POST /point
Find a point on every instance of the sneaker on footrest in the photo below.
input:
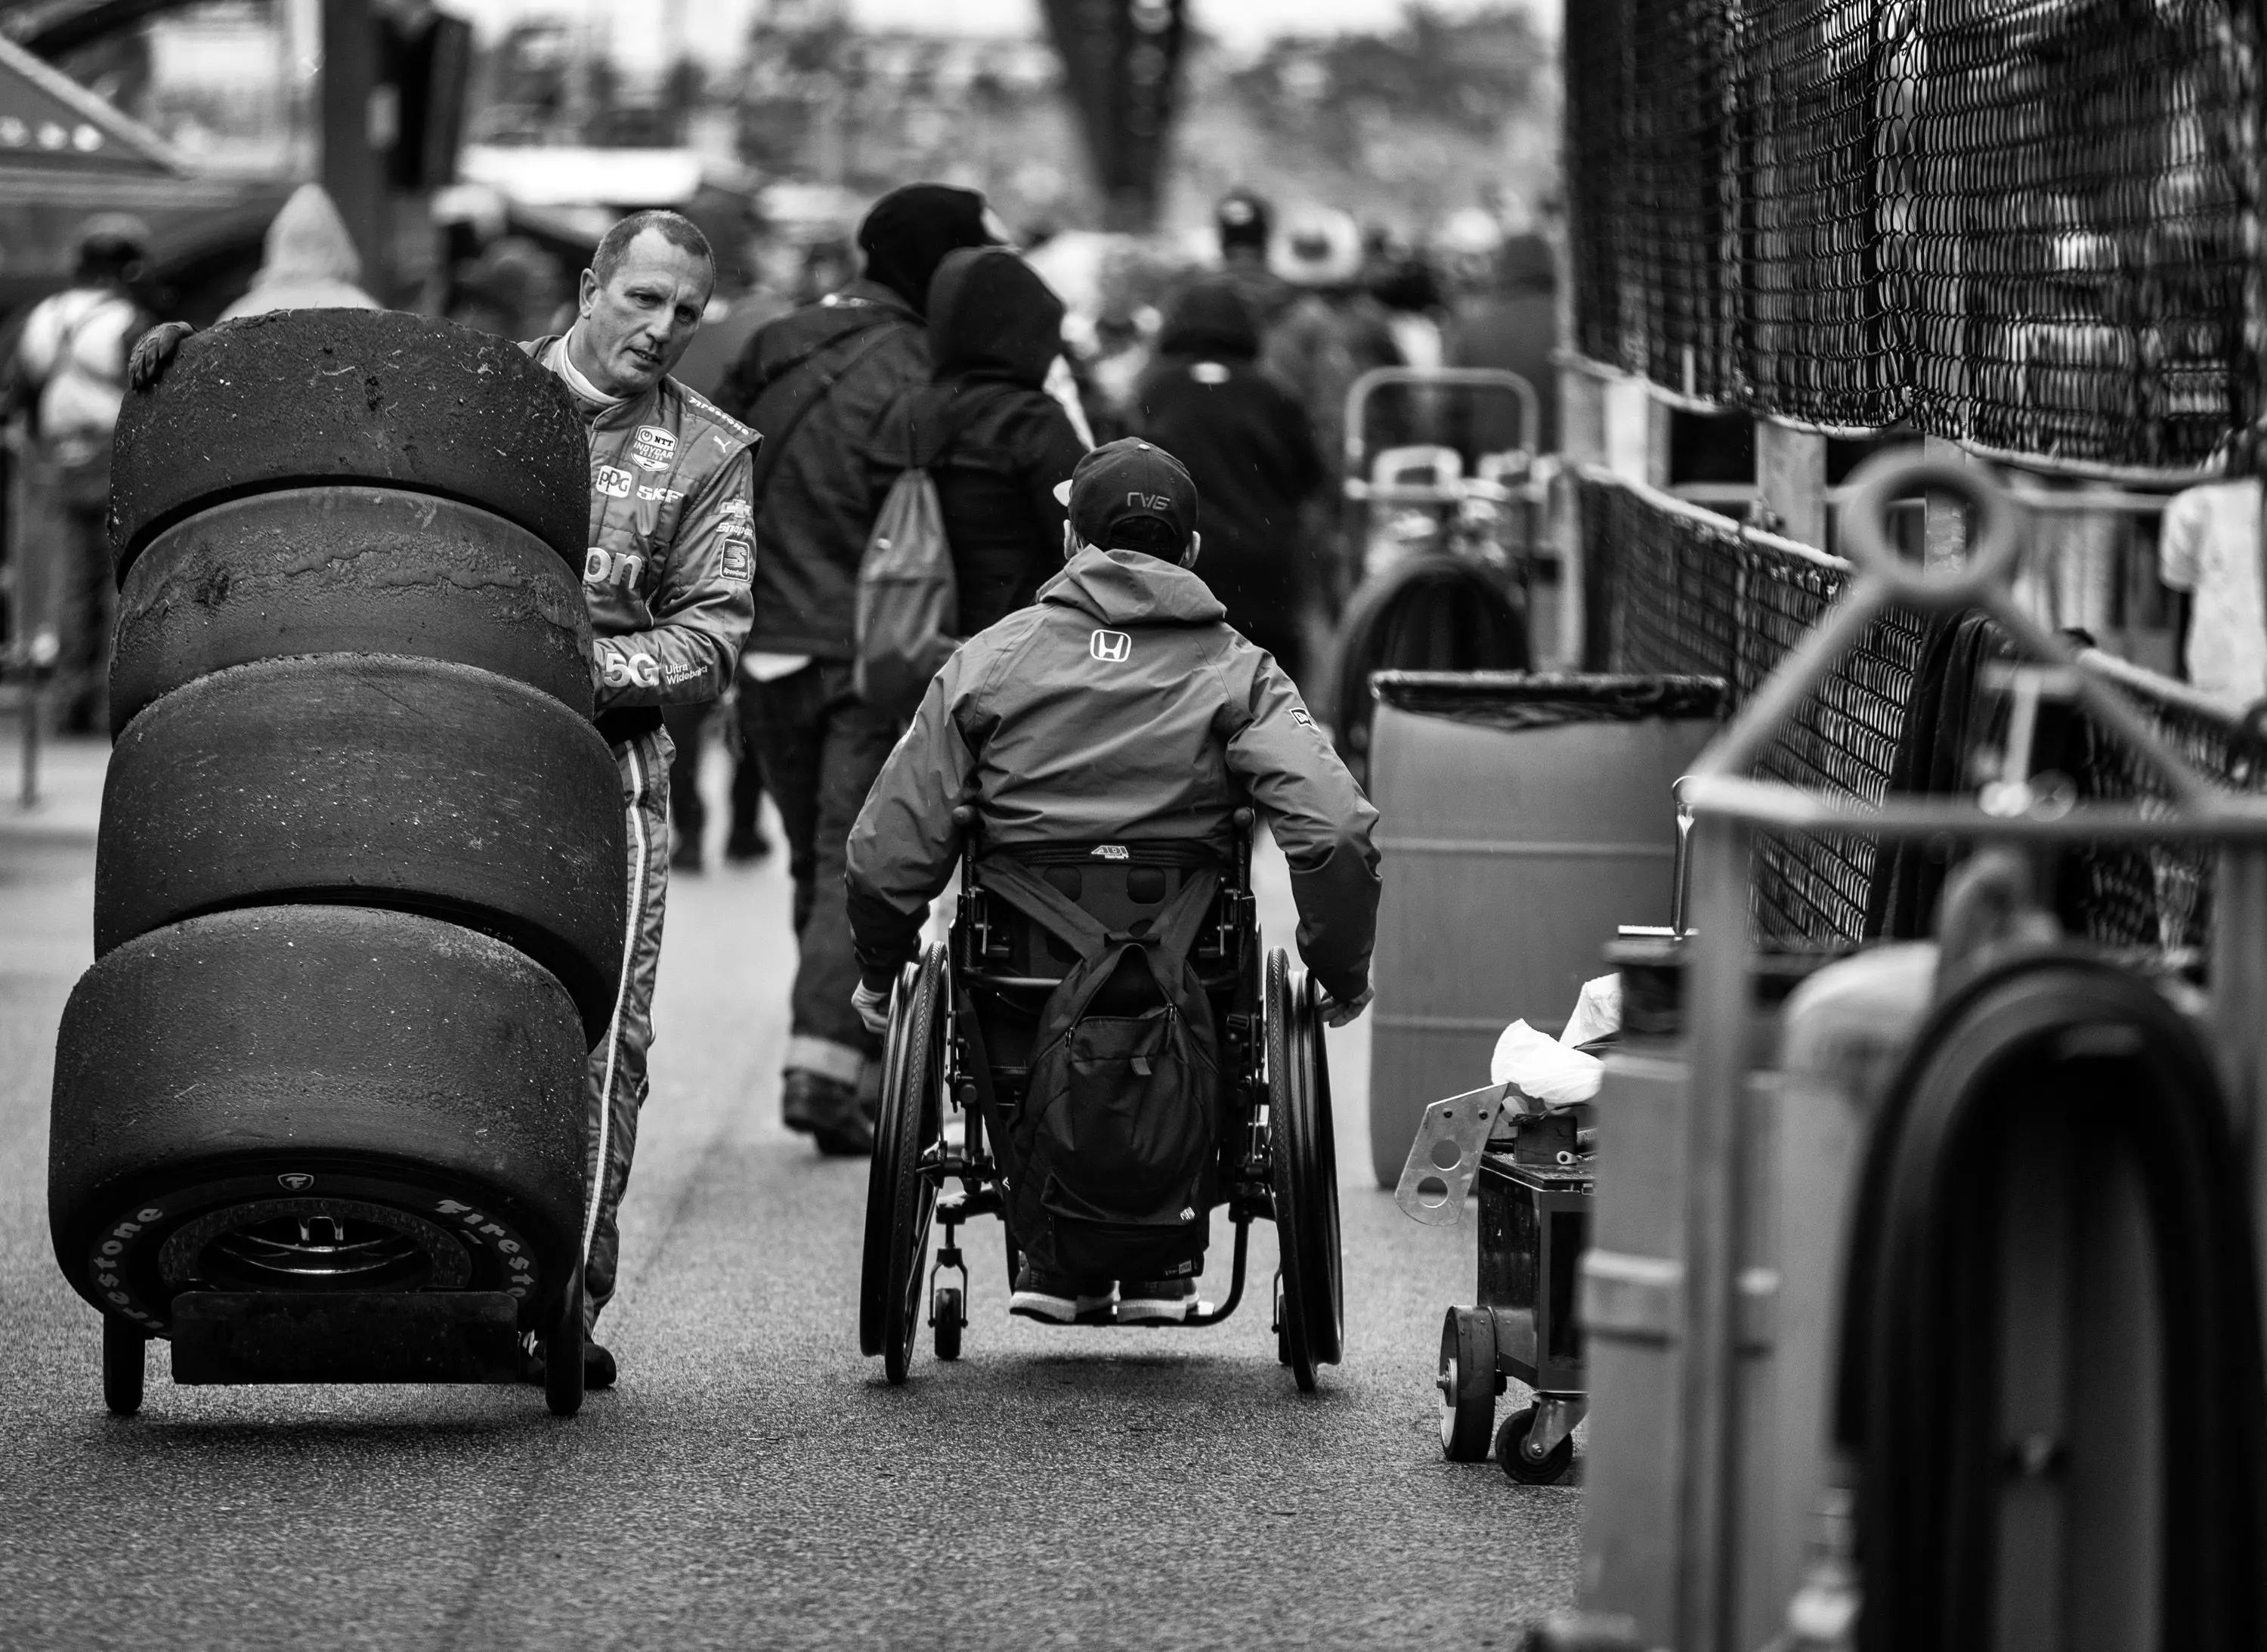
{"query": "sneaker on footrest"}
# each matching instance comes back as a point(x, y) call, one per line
point(1155, 1302)
point(1052, 1299)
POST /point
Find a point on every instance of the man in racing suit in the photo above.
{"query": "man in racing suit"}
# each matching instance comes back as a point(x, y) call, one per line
point(1120, 706)
point(671, 553)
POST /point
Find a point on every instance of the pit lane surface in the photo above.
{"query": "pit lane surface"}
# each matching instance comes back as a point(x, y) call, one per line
point(753, 1482)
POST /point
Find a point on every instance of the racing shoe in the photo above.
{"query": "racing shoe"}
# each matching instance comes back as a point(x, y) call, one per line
point(1055, 1299)
point(1155, 1302)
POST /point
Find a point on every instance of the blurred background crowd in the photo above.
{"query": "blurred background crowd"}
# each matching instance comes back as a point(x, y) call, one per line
point(1374, 178)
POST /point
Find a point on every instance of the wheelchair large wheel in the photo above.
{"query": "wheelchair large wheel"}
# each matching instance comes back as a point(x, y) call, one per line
point(900, 1200)
point(1302, 1173)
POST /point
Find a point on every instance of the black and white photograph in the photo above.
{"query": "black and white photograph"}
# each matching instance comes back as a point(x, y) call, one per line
point(955, 825)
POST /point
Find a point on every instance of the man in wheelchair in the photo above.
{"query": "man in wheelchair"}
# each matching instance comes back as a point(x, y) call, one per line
point(1098, 746)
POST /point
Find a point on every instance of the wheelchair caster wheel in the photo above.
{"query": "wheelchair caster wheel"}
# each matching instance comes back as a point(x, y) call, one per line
point(946, 1314)
point(1510, 1450)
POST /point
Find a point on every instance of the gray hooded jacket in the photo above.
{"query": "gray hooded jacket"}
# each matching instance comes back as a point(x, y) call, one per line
point(1120, 707)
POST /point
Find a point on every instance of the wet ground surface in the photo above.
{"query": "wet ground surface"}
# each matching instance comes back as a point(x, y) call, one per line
point(752, 1481)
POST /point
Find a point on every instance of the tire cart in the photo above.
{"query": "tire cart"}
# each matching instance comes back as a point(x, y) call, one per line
point(1440, 524)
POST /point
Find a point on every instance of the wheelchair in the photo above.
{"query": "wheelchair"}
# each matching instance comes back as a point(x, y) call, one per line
point(957, 1055)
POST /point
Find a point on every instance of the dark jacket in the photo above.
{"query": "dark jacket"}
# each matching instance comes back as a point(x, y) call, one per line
point(1248, 447)
point(813, 510)
point(994, 442)
point(1120, 707)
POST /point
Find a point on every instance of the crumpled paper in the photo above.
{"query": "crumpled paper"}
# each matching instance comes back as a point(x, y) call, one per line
point(1551, 1071)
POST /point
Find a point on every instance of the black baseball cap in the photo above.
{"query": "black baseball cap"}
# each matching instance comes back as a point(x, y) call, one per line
point(1132, 495)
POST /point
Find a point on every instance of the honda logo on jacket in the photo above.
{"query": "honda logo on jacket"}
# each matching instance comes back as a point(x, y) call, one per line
point(1114, 646)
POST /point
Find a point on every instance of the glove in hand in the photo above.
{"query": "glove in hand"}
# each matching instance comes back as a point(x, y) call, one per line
point(873, 1008)
point(1336, 1014)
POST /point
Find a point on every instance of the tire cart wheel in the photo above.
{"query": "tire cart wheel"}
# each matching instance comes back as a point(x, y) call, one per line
point(1512, 1437)
point(951, 1315)
point(125, 1360)
point(562, 1352)
point(900, 1200)
point(1468, 1384)
point(1303, 1174)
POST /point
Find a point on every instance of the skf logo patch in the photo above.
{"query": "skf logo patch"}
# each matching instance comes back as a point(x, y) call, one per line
point(653, 448)
point(1111, 851)
point(739, 561)
point(660, 496)
point(1114, 647)
point(615, 484)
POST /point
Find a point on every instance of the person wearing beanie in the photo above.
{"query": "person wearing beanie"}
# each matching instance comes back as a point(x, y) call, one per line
point(812, 382)
point(1251, 449)
point(1119, 709)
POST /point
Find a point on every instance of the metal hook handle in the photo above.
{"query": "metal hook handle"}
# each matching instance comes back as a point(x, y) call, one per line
point(1865, 521)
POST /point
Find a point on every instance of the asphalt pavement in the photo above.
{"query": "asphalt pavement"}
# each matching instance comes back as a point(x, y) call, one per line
point(751, 1481)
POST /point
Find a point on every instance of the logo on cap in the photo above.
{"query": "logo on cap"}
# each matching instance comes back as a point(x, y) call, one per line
point(1115, 647)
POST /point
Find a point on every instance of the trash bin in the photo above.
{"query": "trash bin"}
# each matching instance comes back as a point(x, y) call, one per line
point(1525, 816)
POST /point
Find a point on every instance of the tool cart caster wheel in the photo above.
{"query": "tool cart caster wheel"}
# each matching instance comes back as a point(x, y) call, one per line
point(1468, 1384)
point(949, 1316)
point(124, 1351)
point(563, 1353)
point(1510, 1442)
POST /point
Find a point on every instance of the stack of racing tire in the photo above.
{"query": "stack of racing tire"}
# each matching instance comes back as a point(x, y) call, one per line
point(360, 880)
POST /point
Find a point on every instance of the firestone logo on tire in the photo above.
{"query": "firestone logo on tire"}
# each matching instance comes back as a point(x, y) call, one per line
point(296, 1181)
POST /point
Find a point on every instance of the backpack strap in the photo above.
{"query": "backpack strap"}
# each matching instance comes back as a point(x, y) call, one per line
point(817, 387)
point(1173, 931)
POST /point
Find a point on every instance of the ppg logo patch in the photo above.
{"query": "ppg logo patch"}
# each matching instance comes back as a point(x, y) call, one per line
point(1114, 648)
point(615, 484)
point(653, 448)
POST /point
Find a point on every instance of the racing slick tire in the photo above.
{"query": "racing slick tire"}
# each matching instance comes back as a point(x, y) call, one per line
point(297, 396)
point(316, 1097)
point(1437, 613)
point(378, 781)
point(1303, 1174)
point(900, 1201)
point(348, 570)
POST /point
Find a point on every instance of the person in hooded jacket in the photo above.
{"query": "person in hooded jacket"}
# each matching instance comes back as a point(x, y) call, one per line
point(1251, 449)
point(1120, 707)
point(994, 442)
point(811, 382)
point(309, 261)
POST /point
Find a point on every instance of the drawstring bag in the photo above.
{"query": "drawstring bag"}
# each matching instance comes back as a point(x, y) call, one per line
point(909, 597)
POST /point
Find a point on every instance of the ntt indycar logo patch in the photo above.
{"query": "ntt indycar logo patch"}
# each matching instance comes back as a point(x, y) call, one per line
point(1114, 648)
point(653, 448)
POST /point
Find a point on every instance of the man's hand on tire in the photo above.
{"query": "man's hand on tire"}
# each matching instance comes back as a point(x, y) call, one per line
point(147, 364)
point(873, 1008)
point(1336, 1013)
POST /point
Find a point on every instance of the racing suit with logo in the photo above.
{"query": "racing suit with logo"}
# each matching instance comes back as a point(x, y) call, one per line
point(1120, 706)
point(667, 575)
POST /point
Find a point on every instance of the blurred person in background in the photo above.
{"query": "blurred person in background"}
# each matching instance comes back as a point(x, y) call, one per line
point(992, 439)
point(1249, 448)
point(1336, 331)
point(1508, 317)
point(68, 378)
point(1246, 224)
point(2210, 549)
point(812, 382)
point(310, 261)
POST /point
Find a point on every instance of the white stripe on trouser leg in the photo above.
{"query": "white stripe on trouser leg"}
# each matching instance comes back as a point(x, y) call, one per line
point(621, 991)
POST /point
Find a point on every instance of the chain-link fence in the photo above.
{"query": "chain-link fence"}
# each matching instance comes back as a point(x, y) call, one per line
point(1670, 589)
point(2034, 226)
